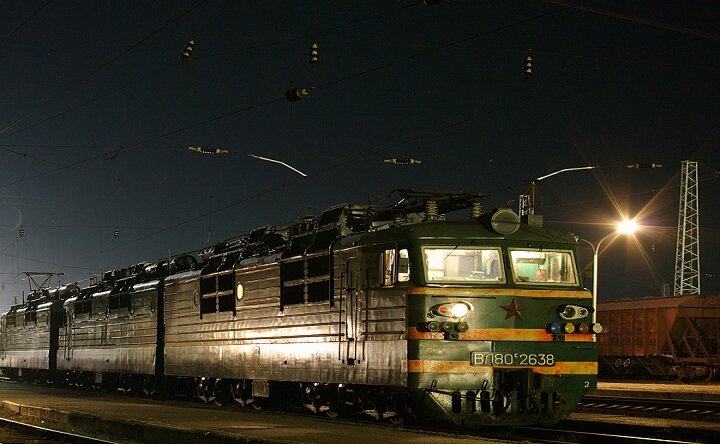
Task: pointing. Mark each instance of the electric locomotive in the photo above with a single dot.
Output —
(392, 312)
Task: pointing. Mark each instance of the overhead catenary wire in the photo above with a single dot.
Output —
(106, 63)
(123, 148)
(164, 68)
(352, 76)
(566, 5)
(17, 28)
(636, 19)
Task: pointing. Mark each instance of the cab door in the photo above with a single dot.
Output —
(350, 307)
(67, 332)
(2, 338)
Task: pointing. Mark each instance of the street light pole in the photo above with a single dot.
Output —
(527, 201)
(625, 227)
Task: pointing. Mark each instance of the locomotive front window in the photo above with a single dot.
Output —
(467, 265)
(543, 267)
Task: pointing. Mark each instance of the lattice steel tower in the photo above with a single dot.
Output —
(687, 256)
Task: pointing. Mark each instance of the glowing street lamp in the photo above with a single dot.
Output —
(624, 227)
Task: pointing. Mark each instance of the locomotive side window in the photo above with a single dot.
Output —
(543, 267)
(467, 265)
(403, 265)
(388, 267)
(217, 292)
(395, 266)
(30, 317)
(305, 280)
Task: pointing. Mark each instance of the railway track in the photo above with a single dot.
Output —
(699, 409)
(16, 432)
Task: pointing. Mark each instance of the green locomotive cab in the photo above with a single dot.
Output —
(499, 326)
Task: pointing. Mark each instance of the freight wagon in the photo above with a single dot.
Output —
(661, 337)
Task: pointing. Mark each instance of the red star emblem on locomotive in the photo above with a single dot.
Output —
(513, 310)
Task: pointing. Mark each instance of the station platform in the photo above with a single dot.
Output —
(137, 420)
(659, 390)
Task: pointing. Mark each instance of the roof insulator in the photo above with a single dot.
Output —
(528, 67)
(402, 161)
(187, 50)
(297, 94)
(314, 57)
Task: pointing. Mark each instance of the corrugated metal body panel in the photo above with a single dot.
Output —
(301, 342)
(26, 342)
(118, 338)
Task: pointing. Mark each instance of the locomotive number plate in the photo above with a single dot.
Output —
(512, 359)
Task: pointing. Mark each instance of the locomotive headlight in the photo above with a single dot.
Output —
(451, 309)
(596, 328)
(459, 310)
(570, 312)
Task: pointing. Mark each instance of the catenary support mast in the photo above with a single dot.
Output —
(687, 256)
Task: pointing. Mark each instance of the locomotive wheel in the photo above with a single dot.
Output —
(205, 389)
(256, 404)
(241, 392)
(223, 393)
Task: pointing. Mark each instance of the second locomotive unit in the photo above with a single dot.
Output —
(393, 312)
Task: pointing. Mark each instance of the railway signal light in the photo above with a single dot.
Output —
(21, 231)
(187, 50)
(297, 94)
(528, 67)
(314, 55)
(116, 232)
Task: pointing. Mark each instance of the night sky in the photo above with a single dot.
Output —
(98, 111)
